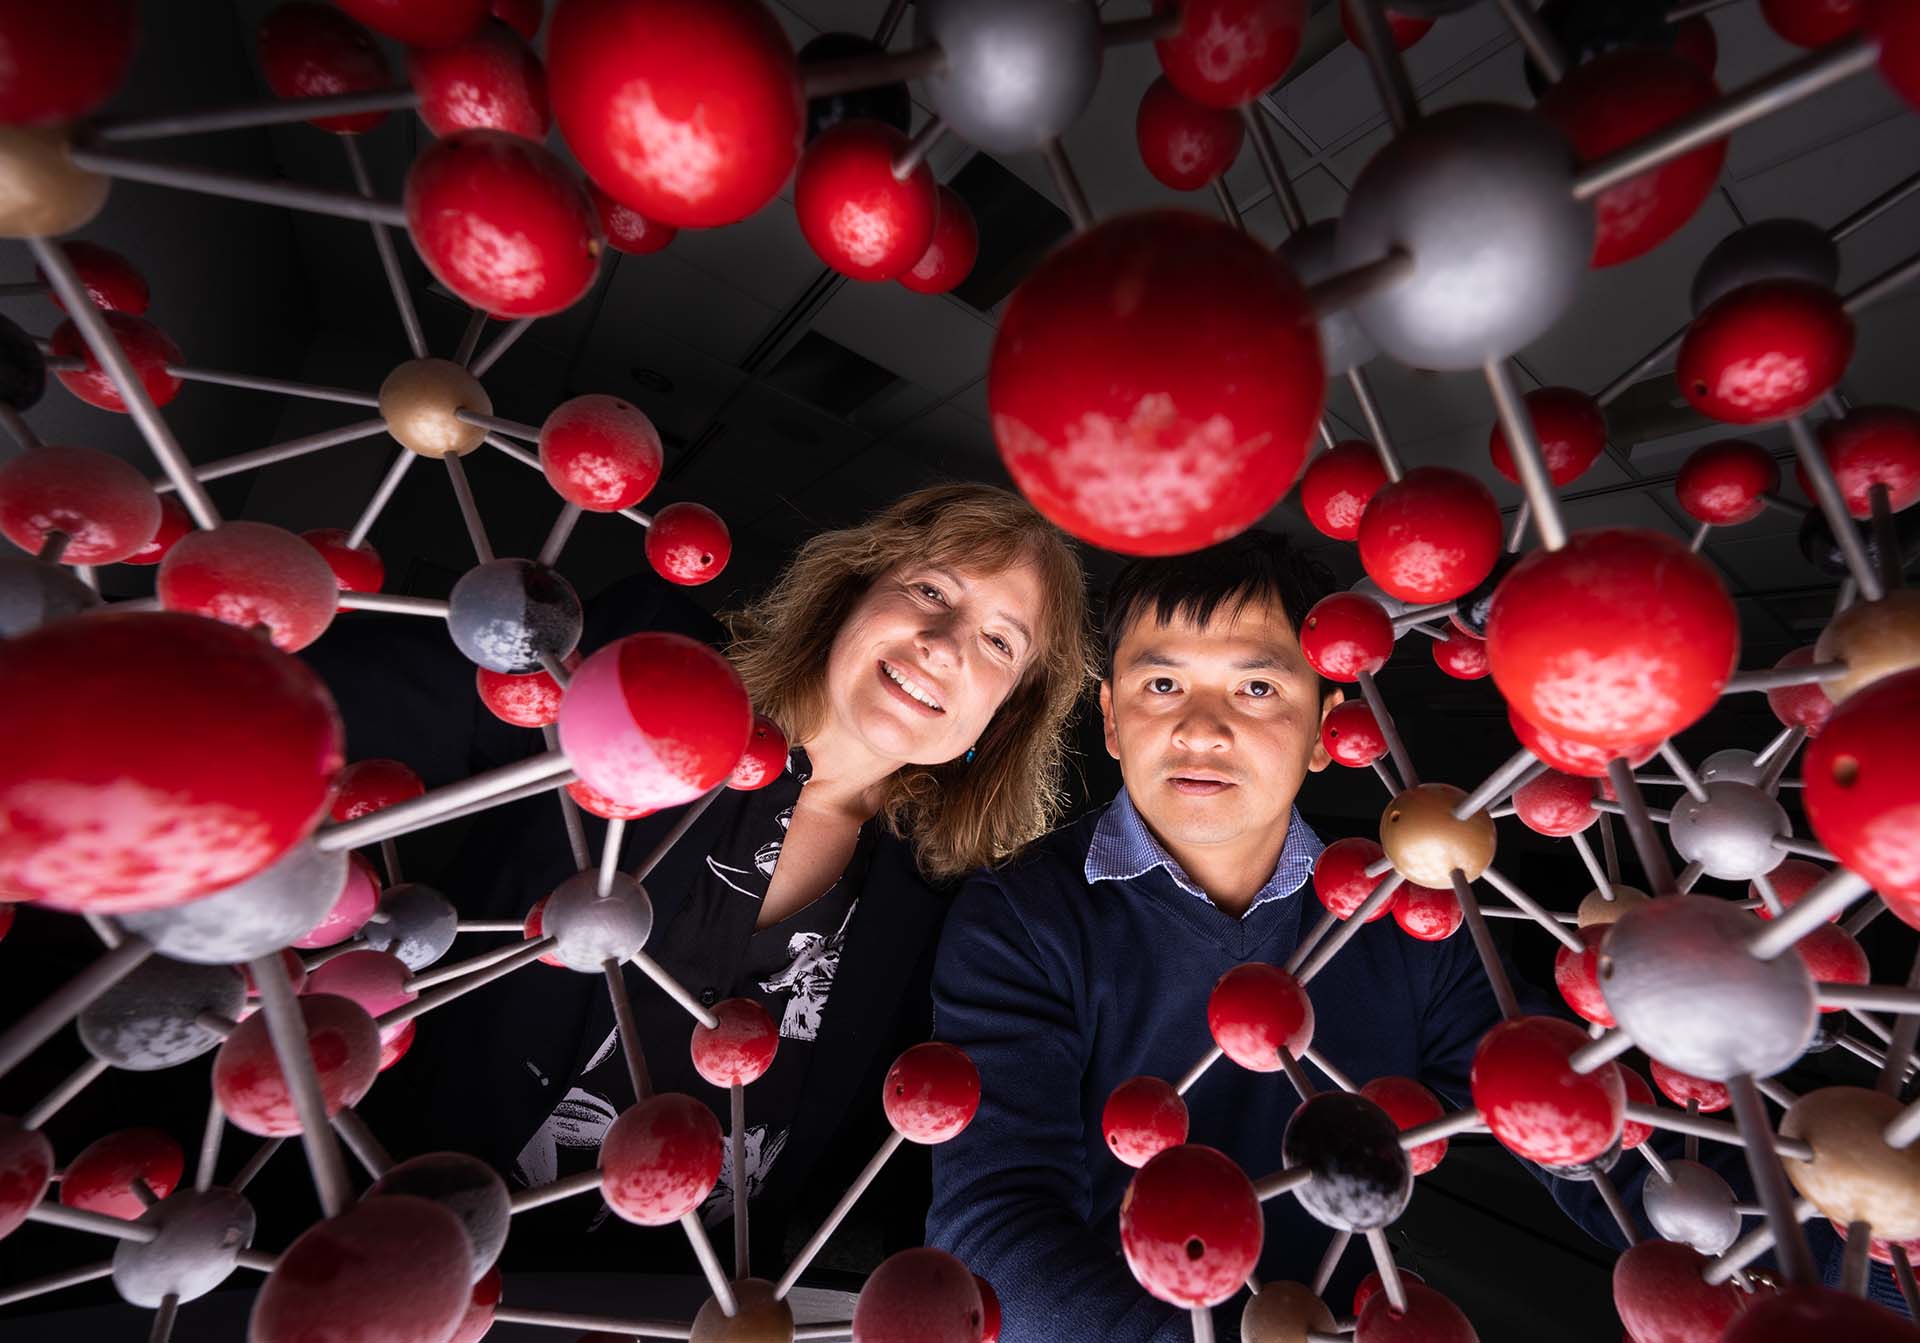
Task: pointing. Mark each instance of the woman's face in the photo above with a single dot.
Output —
(927, 656)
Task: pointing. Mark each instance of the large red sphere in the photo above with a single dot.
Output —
(420, 23)
(1570, 428)
(600, 452)
(920, 1296)
(949, 258)
(153, 758)
(1535, 1103)
(1427, 913)
(1895, 25)
(688, 544)
(1791, 881)
(1155, 382)
(62, 61)
(523, 16)
(149, 349)
(359, 897)
(1185, 144)
(1461, 656)
(367, 786)
(1833, 956)
(1405, 30)
(931, 1093)
(104, 506)
(502, 223)
(1346, 634)
(247, 1079)
(175, 522)
(740, 1049)
(596, 803)
(1573, 757)
(1340, 877)
(391, 1267)
(1798, 1313)
(26, 1168)
(248, 574)
(1555, 804)
(660, 1159)
(490, 81)
(1371, 1285)
(109, 278)
(1190, 1226)
(1578, 977)
(1409, 1105)
(990, 1303)
(1351, 734)
(485, 1301)
(1862, 793)
(1680, 1088)
(100, 1179)
(1808, 706)
(1430, 536)
(1143, 1118)
(1872, 445)
(315, 51)
(377, 981)
(532, 700)
(1257, 1010)
(1632, 1132)
(1337, 485)
(1229, 52)
(1813, 23)
(765, 758)
(627, 229)
(1726, 483)
(1429, 1318)
(533, 927)
(856, 215)
(1620, 637)
(1765, 351)
(1662, 1297)
(356, 568)
(687, 110)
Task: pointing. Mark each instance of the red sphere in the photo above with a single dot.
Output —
(1461, 656)
(1862, 794)
(1155, 382)
(1791, 880)
(1185, 144)
(1143, 1118)
(252, 1090)
(149, 349)
(596, 803)
(1346, 634)
(627, 229)
(1632, 1132)
(102, 503)
(1799, 1313)
(1833, 956)
(391, 1267)
(523, 16)
(600, 452)
(1535, 1103)
(931, 1093)
(1555, 804)
(1427, 913)
(421, 23)
(688, 544)
(1872, 445)
(949, 258)
(1229, 52)
(1370, 1286)
(920, 1296)
(532, 700)
(175, 522)
(1351, 735)
(1662, 1297)
(358, 898)
(990, 1305)
(109, 278)
(355, 568)
(26, 1168)
(1765, 351)
(765, 758)
(1895, 26)
(485, 1300)
(315, 51)
(660, 1159)
(1428, 1318)
(1616, 99)
(856, 215)
(367, 786)
(502, 223)
(689, 111)
(100, 1179)
(6, 921)
(1430, 536)
(1695, 40)
(1578, 977)
(153, 758)
(1405, 30)
(248, 574)
(1570, 428)
(1572, 757)
(1726, 483)
(1257, 1010)
(740, 1049)
(1337, 485)
(1680, 1088)
(490, 81)
(1340, 877)
(1190, 1226)
(63, 60)
(1813, 23)
(296, 971)
(533, 927)
(1409, 1105)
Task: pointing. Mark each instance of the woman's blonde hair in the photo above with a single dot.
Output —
(958, 815)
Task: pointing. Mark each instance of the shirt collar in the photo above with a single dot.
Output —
(1123, 848)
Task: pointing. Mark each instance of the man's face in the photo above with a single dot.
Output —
(1214, 726)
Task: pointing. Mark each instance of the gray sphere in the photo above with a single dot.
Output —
(1482, 197)
(414, 922)
(1310, 252)
(1676, 975)
(1732, 765)
(1773, 249)
(1697, 1208)
(465, 1187)
(1017, 73)
(259, 915)
(1393, 606)
(506, 614)
(149, 1020)
(1731, 834)
(201, 1236)
(33, 594)
(1362, 1178)
(589, 931)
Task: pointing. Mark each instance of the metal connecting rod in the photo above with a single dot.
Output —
(276, 112)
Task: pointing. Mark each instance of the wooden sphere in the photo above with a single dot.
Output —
(418, 401)
(1596, 908)
(1283, 1312)
(1426, 843)
(1874, 639)
(762, 1317)
(1854, 1175)
(42, 193)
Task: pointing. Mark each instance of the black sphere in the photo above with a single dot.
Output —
(1361, 1178)
(1823, 552)
(889, 103)
(1826, 1033)
(1589, 28)
(1477, 606)
(23, 369)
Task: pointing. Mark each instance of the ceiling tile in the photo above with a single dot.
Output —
(939, 344)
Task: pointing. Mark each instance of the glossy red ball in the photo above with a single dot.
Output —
(392, 1267)
(248, 574)
(857, 216)
(1872, 445)
(1409, 1105)
(1680, 1088)
(931, 1093)
(1155, 382)
(1229, 52)
(1427, 913)
(1143, 1118)
(1813, 23)
(533, 927)
(251, 1088)
(102, 504)
(1405, 30)
(600, 452)
(1726, 483)
(315, 51)
(1346, 634)
(1694, 40)
(485, 1300)
(1340, 877)
(1862, 794)
(63, 60)
(1895, 27)
(1798, 1313)
(949, 258)
(1808, 706)
(1461, 656)
(151, 351)
(356, 568)
(490, 81)
(990, 1310)
(765, 758)
(689, 111)
(1536, 1104)
(739, 1050)
(1573, 757)
(1765, 351)
(626, 228)
(359, 897)
(296, 971)
(109, 278)
(6, 920)
(421, 23)
(1370, 1286)
(660, 1159)
(1428, 1318)
(596, 803)
(1430, 536)
(367, 786)
(1337, 485)
(688, 544)
(1791, 881)
(1257, 1010)
(523, 16)
(1190, 1226)
(1185, 144)
(1556, 804)
(919, 1296)
(175, 522)
(1578, 977)
(1633, 1133)
(1662, 1295)
(100, 1179)
(1351, 735)
(1832, 956)
(1570, 428)
(532, 700)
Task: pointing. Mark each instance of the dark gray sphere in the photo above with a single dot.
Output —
(1017, 73)
(1732, 765)
(506, 614)
(33, 594)
(1393, 606)
(1731, 834)
(23, 369)
(149, 1020)
(1773, 249)
(259, 915)
(201, 1236)
(1697, 1208)
(414, 922)
(465, 1187)
(1430, 9)
(1343, 345)
(589, 931)
(1361, 1177)
(1482, 197)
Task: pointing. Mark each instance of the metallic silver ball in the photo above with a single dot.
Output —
(1481, 196)
(149, 1020)
(414, 922)
(33, 594)
(465, 1187)
(1676, 975)
(589, 931)
(1697, 1208)
(506, 613)
(1017, 73)
(1773, 249)
(1393, 606)
(199, 1242)
(1343, 345)
(259, 915)
(1731, 834)
(1732, 765)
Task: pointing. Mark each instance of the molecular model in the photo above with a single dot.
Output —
(173, 776)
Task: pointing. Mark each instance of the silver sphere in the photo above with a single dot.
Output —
(1482, 197)
(589, 931)
(1732, 765)
(414, 922)
(1773, 249)
(1676, 975)
(465, 1187)
(1310, 252)
(199, 1242)
(1017, 73)
(1697, 1208)
(1393, 606)
(507, 614)
(1731, 834)
(149, 1020)
(33, 594)
(259, 915)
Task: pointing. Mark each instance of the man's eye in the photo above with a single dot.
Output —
(1160, 685)
(1260, 689)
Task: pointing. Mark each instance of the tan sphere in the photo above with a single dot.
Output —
(1426, 844)
(1596, 908)
(1283, 1312)
(1854, 1176)
(418, 401)
(762, 1317)
(1874, 639)
(42, 193)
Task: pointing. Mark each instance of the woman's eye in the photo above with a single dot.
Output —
(1001, 644)
(930, 592)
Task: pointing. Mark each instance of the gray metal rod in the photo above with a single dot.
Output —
(1534, 910)
(628, 1029)
(610, 855)
(235, 186)
(1646, 841)
(1681, 1121)
(282, 452)
(470, 338)
(1483, 944)
(1594, 869)
(1748, 1248)
(287, 1028)
(276, 112)
(1447, 1126)
(163, 1318)
(1874, 208)
(1281, 1181)
(394, 603)
(1229, 208)
(1304, 948)
(1542, 48)
(53, 1282)
(837, 1215)
(1683, 771)
(279, 386)
(1402, 761)
(1887, 283)
(1651, 360)
(255, 1163)
(1369, 408)
(1278, 183)
(1806, 848)
(674, 989)
(532, 462)
(460, 988)
(1330, 1260)
(1388, 70)
(918, 148)
(737, 1149)
(210, 1137)
(1497, 784)
(567, 1186)
(419, 812)
(1906, 1034)
(889, 23)
(709, 1263)
(1200, 1319)
(1610, 1196)
(1826, 493)
(694, 811)
(1827, 897)
(1297, 1076)
(1350, 926)
(1198, 1070)
(1770, 1182)
(1386, 778)
(1338, 292)
(1516, 423)
(469, 510)
(607, 1324)
(382, 494)
(1601, 1050)
(1769, 897)
(495, 425)
(54, 1213)
(1779, 678)
(367, 1149)
(389, 258)
(1885, 539)
(826, 79)
(1072, 196)
(1870, 997)
(563, 525)
(498, 346)
(1333, 1074)
(447, 974)
(18, 428)
(1903, 1275)
(45, 1018)
(1150, 28)
(1377, 1237)
(76, 1082)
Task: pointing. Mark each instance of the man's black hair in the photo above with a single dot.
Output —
(1254, 566)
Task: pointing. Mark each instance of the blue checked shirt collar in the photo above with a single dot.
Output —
(1123, 848)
